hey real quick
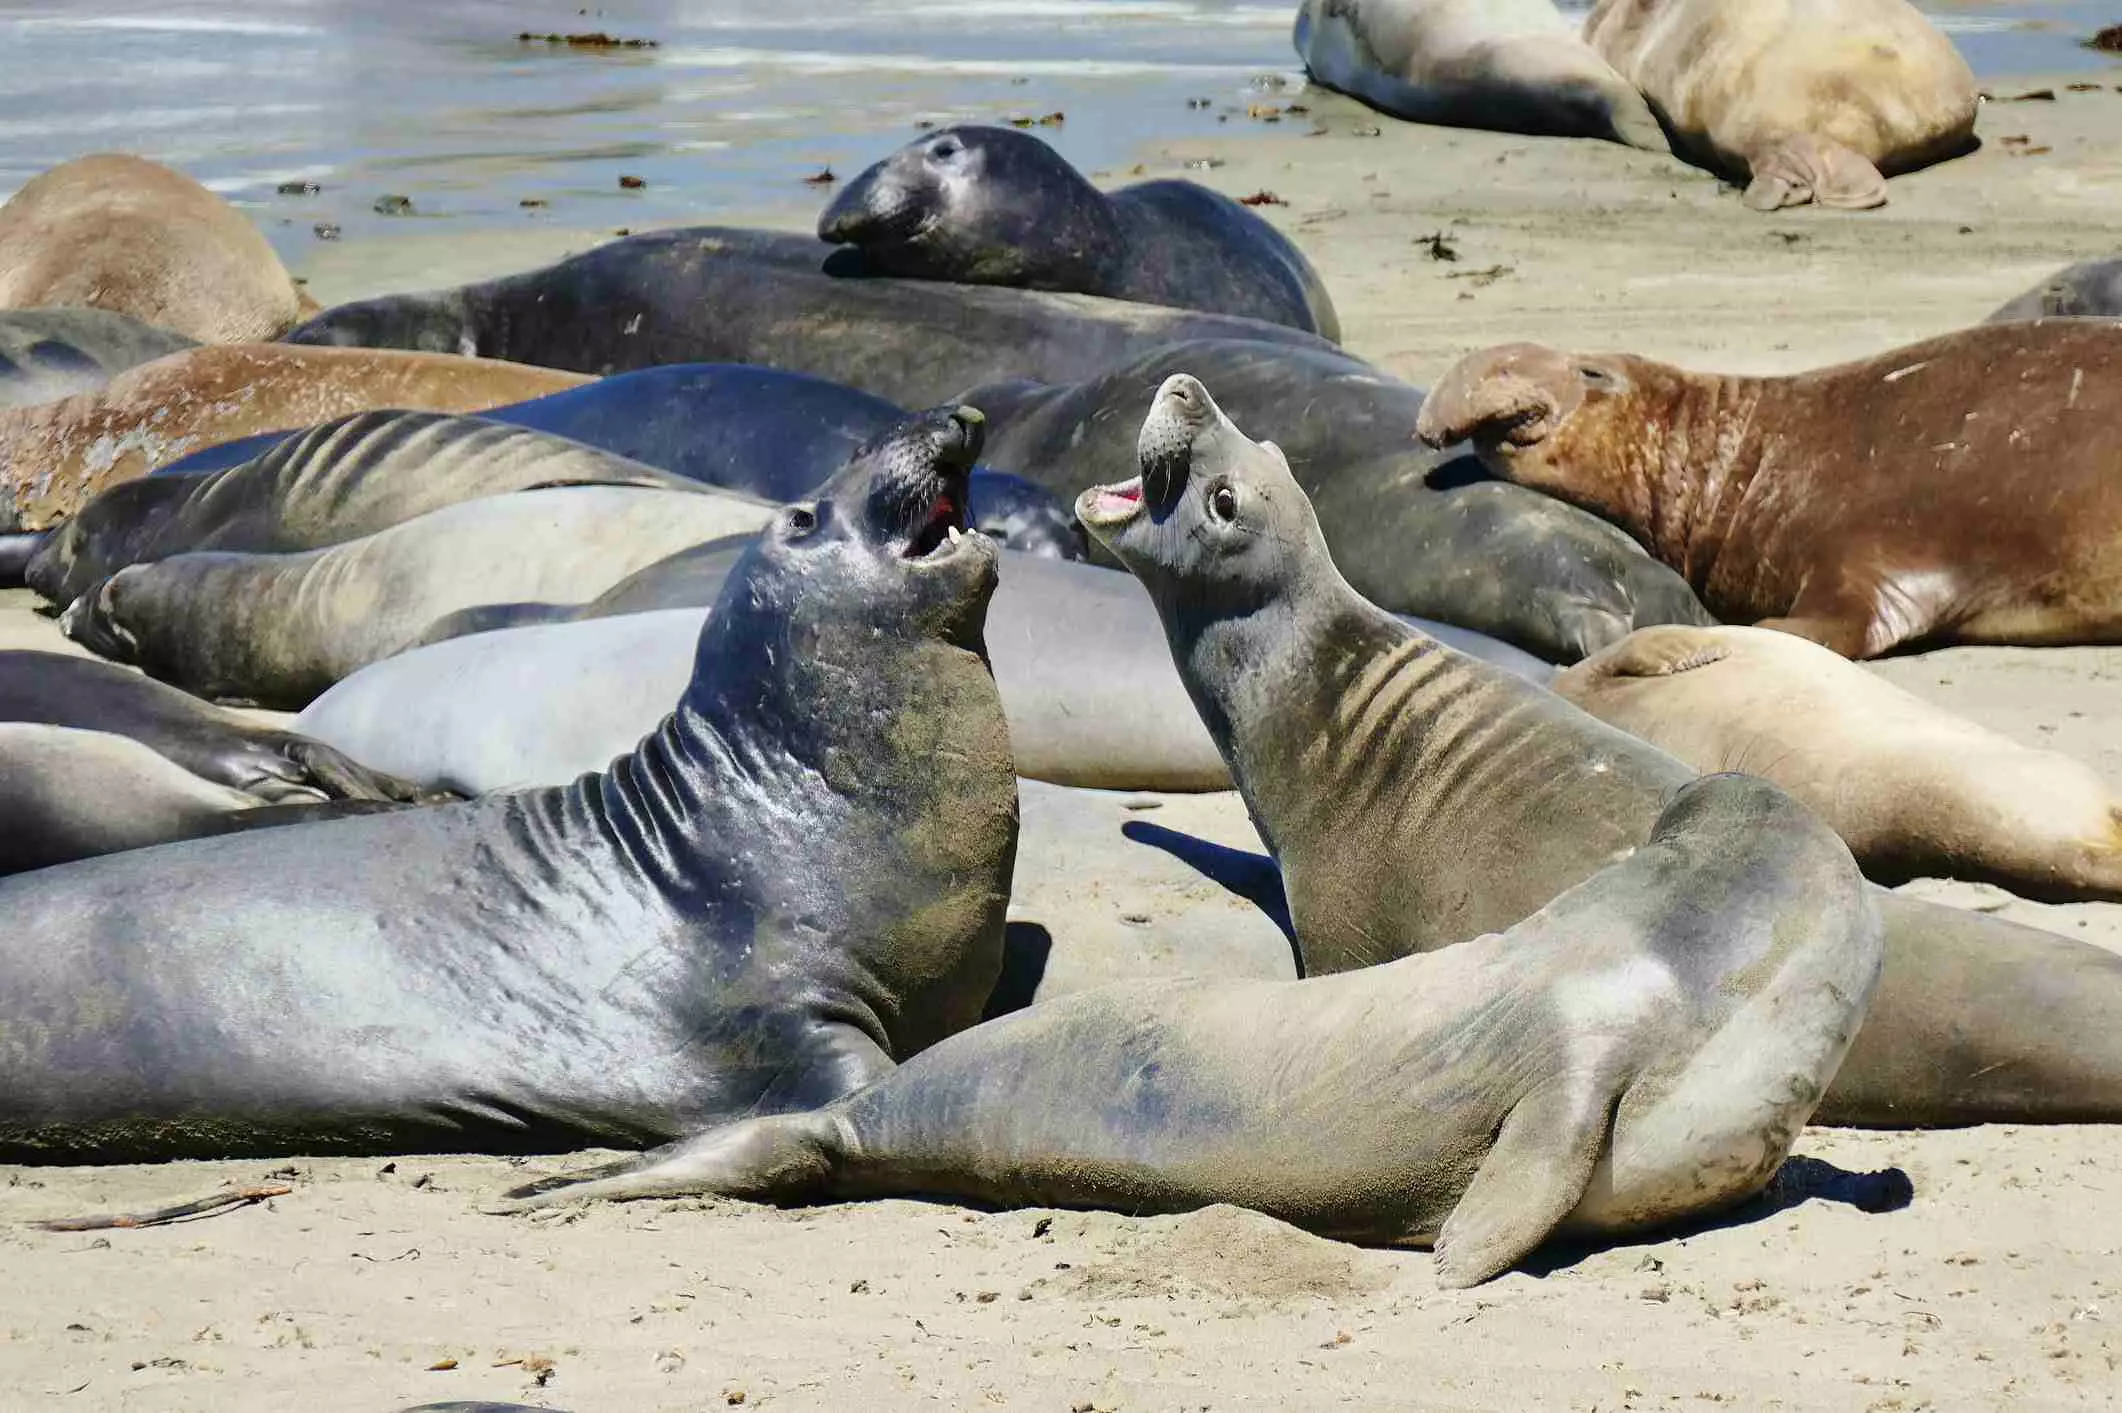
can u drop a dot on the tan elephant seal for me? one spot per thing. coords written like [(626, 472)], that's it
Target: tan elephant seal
[(125, 234), (56, 456), (1504, 65), (1962, 489), (1915, 791), (1805, 100)]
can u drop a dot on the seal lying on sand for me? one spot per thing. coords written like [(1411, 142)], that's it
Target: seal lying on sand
[(1486, 556), (1914, 790), (219, 746), (129, 235), (722, 294), (1643, 1049), (47, 354), (992, 206), (797, 878), (1415, 798), (1504, 65), (1958, 490), (1804, 100), (67, 794), (56, 456), (277, 629), (2091, 289), (329, 485)]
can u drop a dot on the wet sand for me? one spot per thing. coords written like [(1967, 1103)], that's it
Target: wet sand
[(2001, 1283)]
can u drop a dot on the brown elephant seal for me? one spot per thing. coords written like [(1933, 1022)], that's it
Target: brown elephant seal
[(117, 232), (1504, 65), (46, 354), (2091, 289), (56, 456), (1802, 100), (796, 879), (1643, 1049), (1415, 798), (1915, 791), (1957, 490)]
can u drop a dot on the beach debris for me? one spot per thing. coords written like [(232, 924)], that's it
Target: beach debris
[(2032, 95), (1439, 246), (393, 206), (822, 177), (537, 1366), (225, 1201), (1050, 120), (2028, 151), (627, 183), (297, 189), (1263, 112), (530, 203), (1482, 278), (1199, 103), (1204, 164), (597, 39), (2107, 41), (1262, 198), (324, 230), (442, 1366), (2081, 88), (1366, 132)]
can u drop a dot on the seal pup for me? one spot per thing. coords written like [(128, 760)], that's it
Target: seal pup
[(1801, 100), (1914, 790), (223, 747), (723, 294), (1643, 1049), (275, 630), (1503, 65), (1959, 490), (797, 878), (338, 482), (117, 232), (1415, 798), (1416, 532), (68, 794), (2091, 289), (993, 206), (53, 353), (59, 454)]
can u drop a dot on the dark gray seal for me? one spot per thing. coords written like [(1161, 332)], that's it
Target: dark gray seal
[(47, 354), (1415, 798), (797, 878), (720, 294), (1416, 531), (993, 206), (1643, 1049), (2091, 289)]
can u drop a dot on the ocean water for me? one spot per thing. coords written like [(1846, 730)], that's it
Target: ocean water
[(740, 100)]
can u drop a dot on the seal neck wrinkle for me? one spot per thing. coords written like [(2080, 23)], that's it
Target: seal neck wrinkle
[(1685, 480)]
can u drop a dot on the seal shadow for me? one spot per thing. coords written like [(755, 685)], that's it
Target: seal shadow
[(1026, 946), (1241, 872), (1798, 1181)]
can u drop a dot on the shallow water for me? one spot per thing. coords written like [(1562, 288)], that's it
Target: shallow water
[(442, 103)]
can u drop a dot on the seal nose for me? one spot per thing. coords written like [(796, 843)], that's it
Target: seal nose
[(1185, 393), (848, 219), (970, 425)]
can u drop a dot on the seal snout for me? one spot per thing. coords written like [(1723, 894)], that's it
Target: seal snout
[(953, 438), (1493, 399), (1181, 411)]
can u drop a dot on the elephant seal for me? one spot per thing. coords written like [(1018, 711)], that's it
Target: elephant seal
[(1801, 100), (222, 747), (58, 455), (1503, 65), (1643, 1049), (46, 354), (761, 431), (798, 877), (68, 794), (2091, 289), (723, 294), (1417, 533), (992, 206), (334, 483), (1415, 798), (276, 630), (117, 232), (1915, 791), (1956, 490)]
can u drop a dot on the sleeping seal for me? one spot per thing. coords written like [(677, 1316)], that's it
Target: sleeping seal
[(1415, 798), (797, 878), (2091, 289)]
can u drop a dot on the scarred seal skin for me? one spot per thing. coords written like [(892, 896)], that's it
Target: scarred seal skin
[(1958, 490), (796, 879)]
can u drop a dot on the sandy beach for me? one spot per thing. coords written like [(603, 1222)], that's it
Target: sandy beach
[(376, 1284)]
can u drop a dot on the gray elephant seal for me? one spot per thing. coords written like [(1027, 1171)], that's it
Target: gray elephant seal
[(125, 234), (1915, 791), (278, 629), (993, 206), (46, 354), (1416, 531), (67, 794), (1643, 1049), (797, 878), (1415, 798), (334, 483), (214, 744), (2091, 289), (1504, 65)]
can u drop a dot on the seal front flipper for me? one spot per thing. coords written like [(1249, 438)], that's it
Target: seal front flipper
[(339, 776), (1532, 1178), (780, 1157), (1663, 650), (1805, 168)]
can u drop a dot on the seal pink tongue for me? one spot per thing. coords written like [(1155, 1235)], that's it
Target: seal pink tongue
[(1123, 499)]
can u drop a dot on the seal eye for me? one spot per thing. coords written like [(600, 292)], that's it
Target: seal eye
[(800, 520), (943, 149), (1597, 377), (1223, 504)]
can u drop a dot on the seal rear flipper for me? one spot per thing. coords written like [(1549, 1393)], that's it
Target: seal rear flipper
[(1533, 1177), (780, 1157), (1803, 168)]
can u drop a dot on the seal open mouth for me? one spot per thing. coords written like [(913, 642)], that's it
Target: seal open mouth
[(1108, 506), (935, 505), (942, 529)]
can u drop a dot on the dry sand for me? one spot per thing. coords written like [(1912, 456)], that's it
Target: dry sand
[(2001, 1285)]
